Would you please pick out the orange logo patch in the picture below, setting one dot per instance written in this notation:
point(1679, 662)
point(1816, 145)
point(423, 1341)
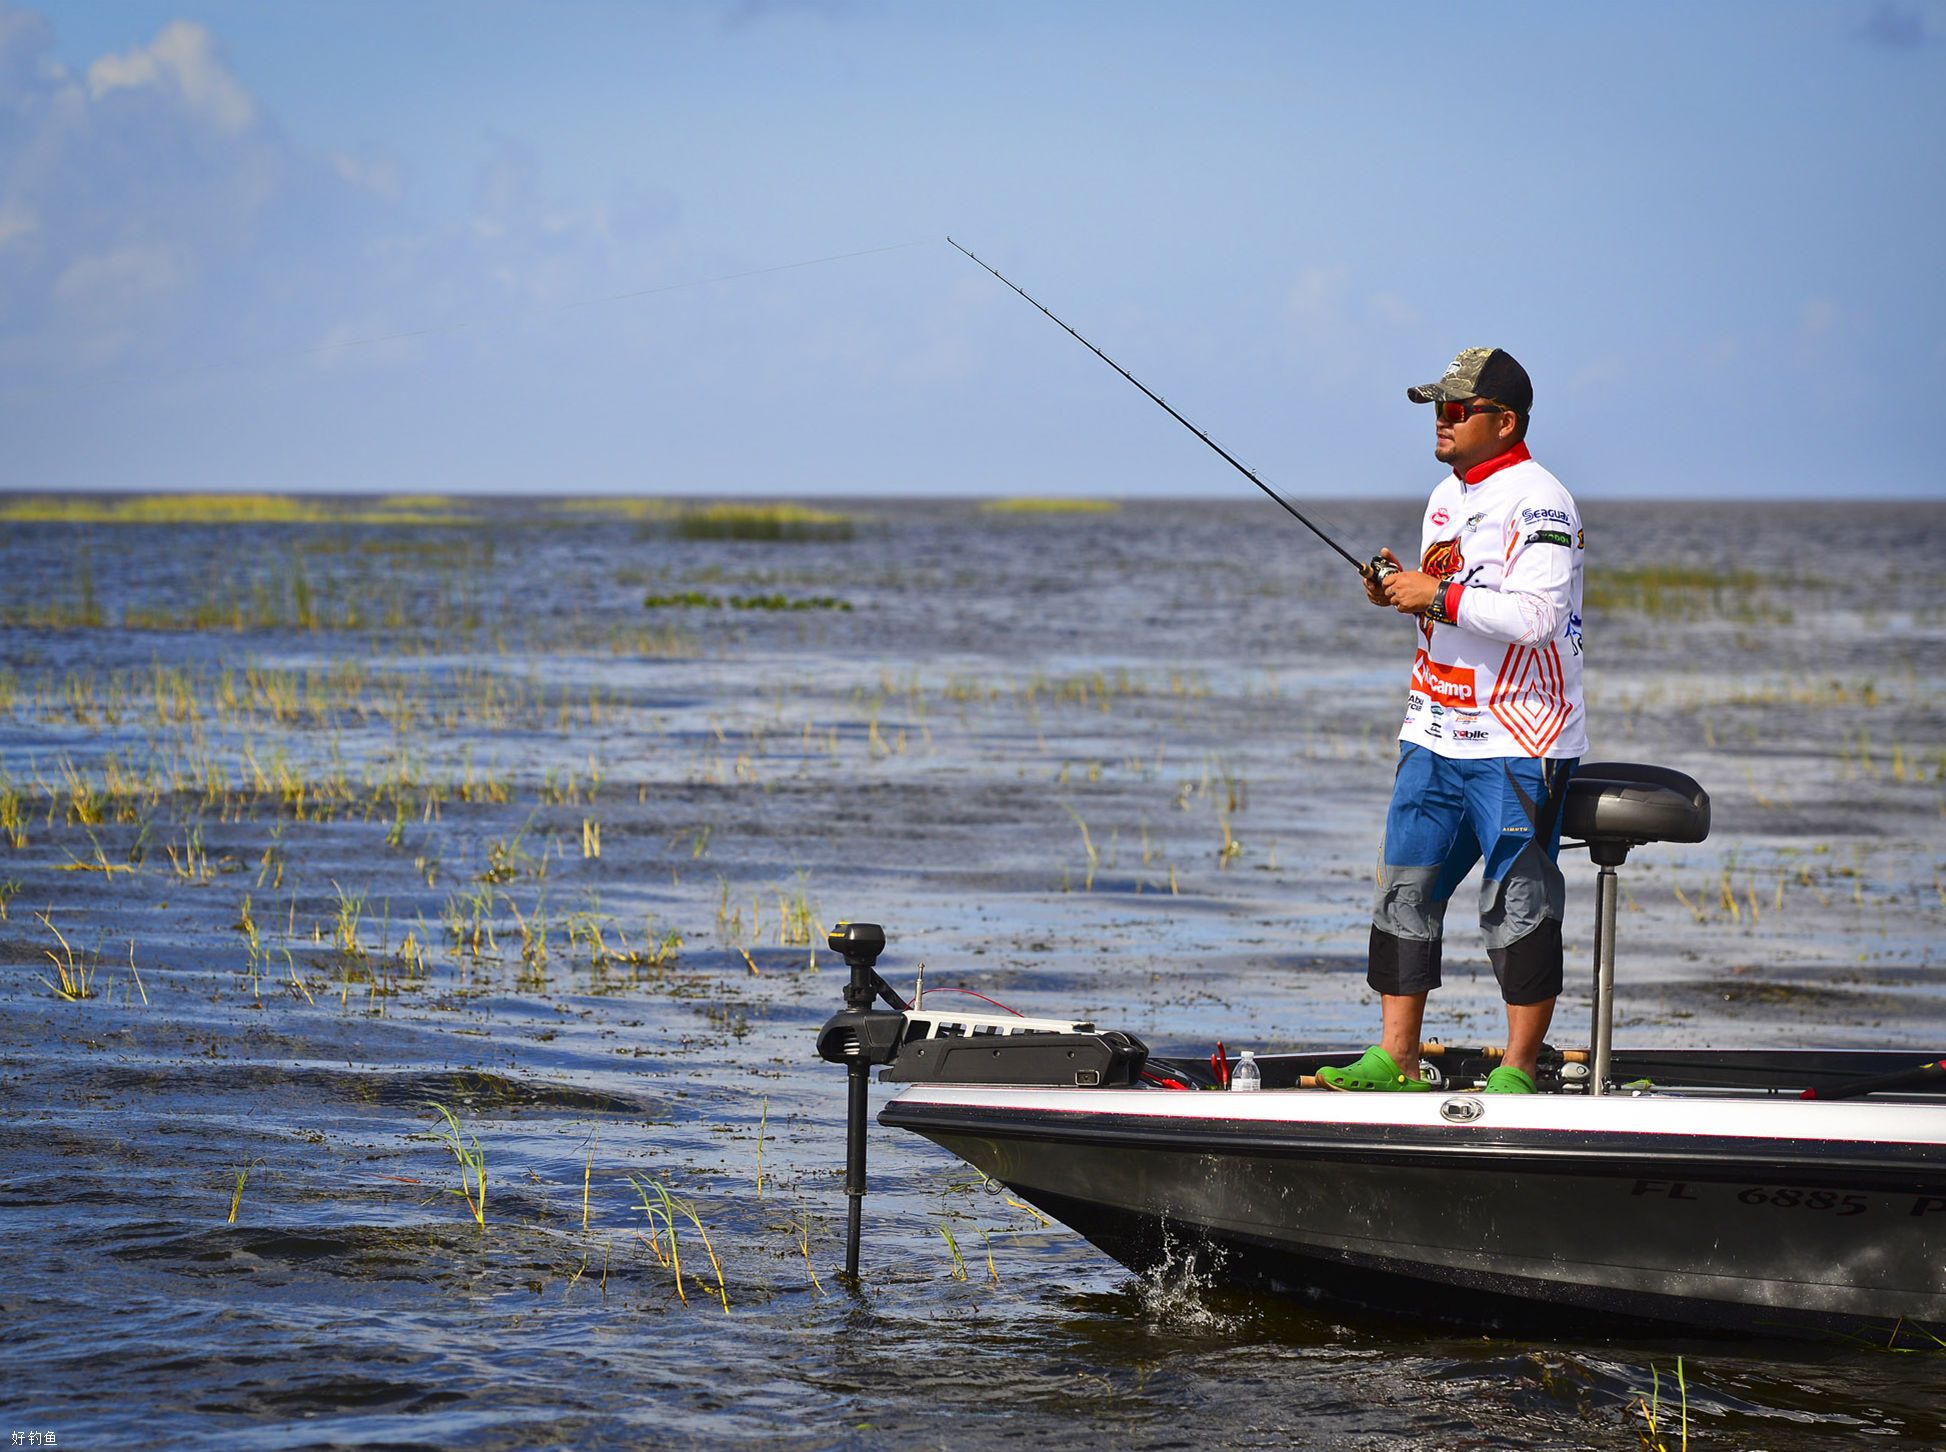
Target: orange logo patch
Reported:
point(1443, 559)
point(1450, 685)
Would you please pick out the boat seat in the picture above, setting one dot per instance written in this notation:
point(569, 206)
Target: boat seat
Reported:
point(1616, 805)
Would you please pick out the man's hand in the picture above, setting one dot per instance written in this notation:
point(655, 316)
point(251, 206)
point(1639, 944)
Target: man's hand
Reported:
point(1375, 588)
point(1410, 591)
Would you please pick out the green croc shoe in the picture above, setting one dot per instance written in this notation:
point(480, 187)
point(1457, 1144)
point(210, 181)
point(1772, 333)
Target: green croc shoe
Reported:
point(1508, 1080)
point(1376, 1071)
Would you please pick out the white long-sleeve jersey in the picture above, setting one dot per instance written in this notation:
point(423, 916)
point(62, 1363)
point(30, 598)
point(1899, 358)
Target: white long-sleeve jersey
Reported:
point(1498, 669)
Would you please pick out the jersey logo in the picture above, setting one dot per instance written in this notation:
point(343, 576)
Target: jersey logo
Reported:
point(1443, 559)
point(1447, 685)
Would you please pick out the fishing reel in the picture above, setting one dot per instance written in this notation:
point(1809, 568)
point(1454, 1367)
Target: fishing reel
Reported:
point(1377, 568)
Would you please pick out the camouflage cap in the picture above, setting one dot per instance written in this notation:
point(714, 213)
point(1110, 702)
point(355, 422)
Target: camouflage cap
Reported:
point(1481, 373)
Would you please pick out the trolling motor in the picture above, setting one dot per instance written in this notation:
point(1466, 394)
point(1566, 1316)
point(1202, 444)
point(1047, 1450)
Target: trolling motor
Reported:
point(858, 1038)
point(914, 1043)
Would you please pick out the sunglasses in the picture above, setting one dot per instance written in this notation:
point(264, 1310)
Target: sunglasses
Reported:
point(1458, 410)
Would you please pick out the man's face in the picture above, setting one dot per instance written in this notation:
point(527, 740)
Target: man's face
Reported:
point(1474, 439)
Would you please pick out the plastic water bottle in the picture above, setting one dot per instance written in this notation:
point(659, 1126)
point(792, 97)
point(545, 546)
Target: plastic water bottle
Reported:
point(1245, 1076)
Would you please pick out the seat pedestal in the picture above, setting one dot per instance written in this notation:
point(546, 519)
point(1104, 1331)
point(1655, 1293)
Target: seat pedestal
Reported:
point(1613, 807)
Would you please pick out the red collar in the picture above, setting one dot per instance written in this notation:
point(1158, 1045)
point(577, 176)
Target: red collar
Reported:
point(1480, 472)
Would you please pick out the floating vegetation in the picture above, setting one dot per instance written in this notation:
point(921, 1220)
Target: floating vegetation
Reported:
point(688, 520)
point(1050, 506)
point(1690, 592)
point(697, 600)
point(761, 522)
point(229, 509)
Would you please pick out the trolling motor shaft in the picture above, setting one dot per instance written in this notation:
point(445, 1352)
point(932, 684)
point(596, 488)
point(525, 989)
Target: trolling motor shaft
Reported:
point(858, 1038)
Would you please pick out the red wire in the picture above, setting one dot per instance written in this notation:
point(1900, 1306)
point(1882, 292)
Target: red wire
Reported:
point(983, 998)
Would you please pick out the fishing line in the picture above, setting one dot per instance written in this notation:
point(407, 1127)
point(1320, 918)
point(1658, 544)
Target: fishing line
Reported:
point(399, 337)
point(1375, 568)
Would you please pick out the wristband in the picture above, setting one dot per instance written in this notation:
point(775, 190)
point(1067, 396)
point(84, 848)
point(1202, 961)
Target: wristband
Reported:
point(1444, 608)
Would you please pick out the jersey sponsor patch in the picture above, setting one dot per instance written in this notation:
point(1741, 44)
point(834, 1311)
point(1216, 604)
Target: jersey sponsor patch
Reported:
point(1551, 536)
point(1452, 685)
point(1443, 559)
point(1545, 516)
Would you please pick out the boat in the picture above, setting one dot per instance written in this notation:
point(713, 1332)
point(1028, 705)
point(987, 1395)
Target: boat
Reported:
point(1791, 1192)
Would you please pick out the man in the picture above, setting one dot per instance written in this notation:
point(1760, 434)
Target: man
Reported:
point(1493, 724)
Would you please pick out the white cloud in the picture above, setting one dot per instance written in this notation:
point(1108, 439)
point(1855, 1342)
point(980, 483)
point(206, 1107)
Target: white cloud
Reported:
point(1389, 307)
point(182, 58)
point(17, 222)
point(1317, 298)
point(370, 170)
point(153, 215)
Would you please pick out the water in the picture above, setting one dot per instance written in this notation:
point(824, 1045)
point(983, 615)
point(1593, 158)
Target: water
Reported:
point(1128, 767)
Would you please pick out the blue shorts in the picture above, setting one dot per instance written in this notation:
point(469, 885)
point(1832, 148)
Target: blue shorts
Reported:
point(1448, 813)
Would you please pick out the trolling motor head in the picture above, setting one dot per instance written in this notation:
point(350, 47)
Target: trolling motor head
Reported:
point(862, 1033)
point(859, 944)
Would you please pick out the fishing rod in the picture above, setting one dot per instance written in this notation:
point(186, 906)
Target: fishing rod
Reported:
point(1376, 568)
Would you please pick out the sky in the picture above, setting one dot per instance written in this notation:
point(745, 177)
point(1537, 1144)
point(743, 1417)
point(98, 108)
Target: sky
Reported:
point(699, 248)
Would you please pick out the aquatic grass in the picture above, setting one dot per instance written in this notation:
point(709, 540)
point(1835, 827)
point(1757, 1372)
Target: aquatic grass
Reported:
point(952, 1249)
point(348, 915)
point(77, 978)
point(1230, 849)
point(773, 522)
point(1689, 592)
point(9, 890)
point(697, 600)
point(1087, 846)
point(587, 1177)
point(508, 859)
point(1651, 1411)
point(471, 1159)
point(800, 1227)
point(227, 509)
point(662, 1212)
point(13, 816)
point(763, 1123)
point(236, 1194)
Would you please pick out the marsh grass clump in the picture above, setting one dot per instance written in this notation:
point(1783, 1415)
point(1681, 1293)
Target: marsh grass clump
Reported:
point(228, 509)
point(780, 522)
point(1689, 592)
point(77, 978)
point(1042, 506)
point(697, 600)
